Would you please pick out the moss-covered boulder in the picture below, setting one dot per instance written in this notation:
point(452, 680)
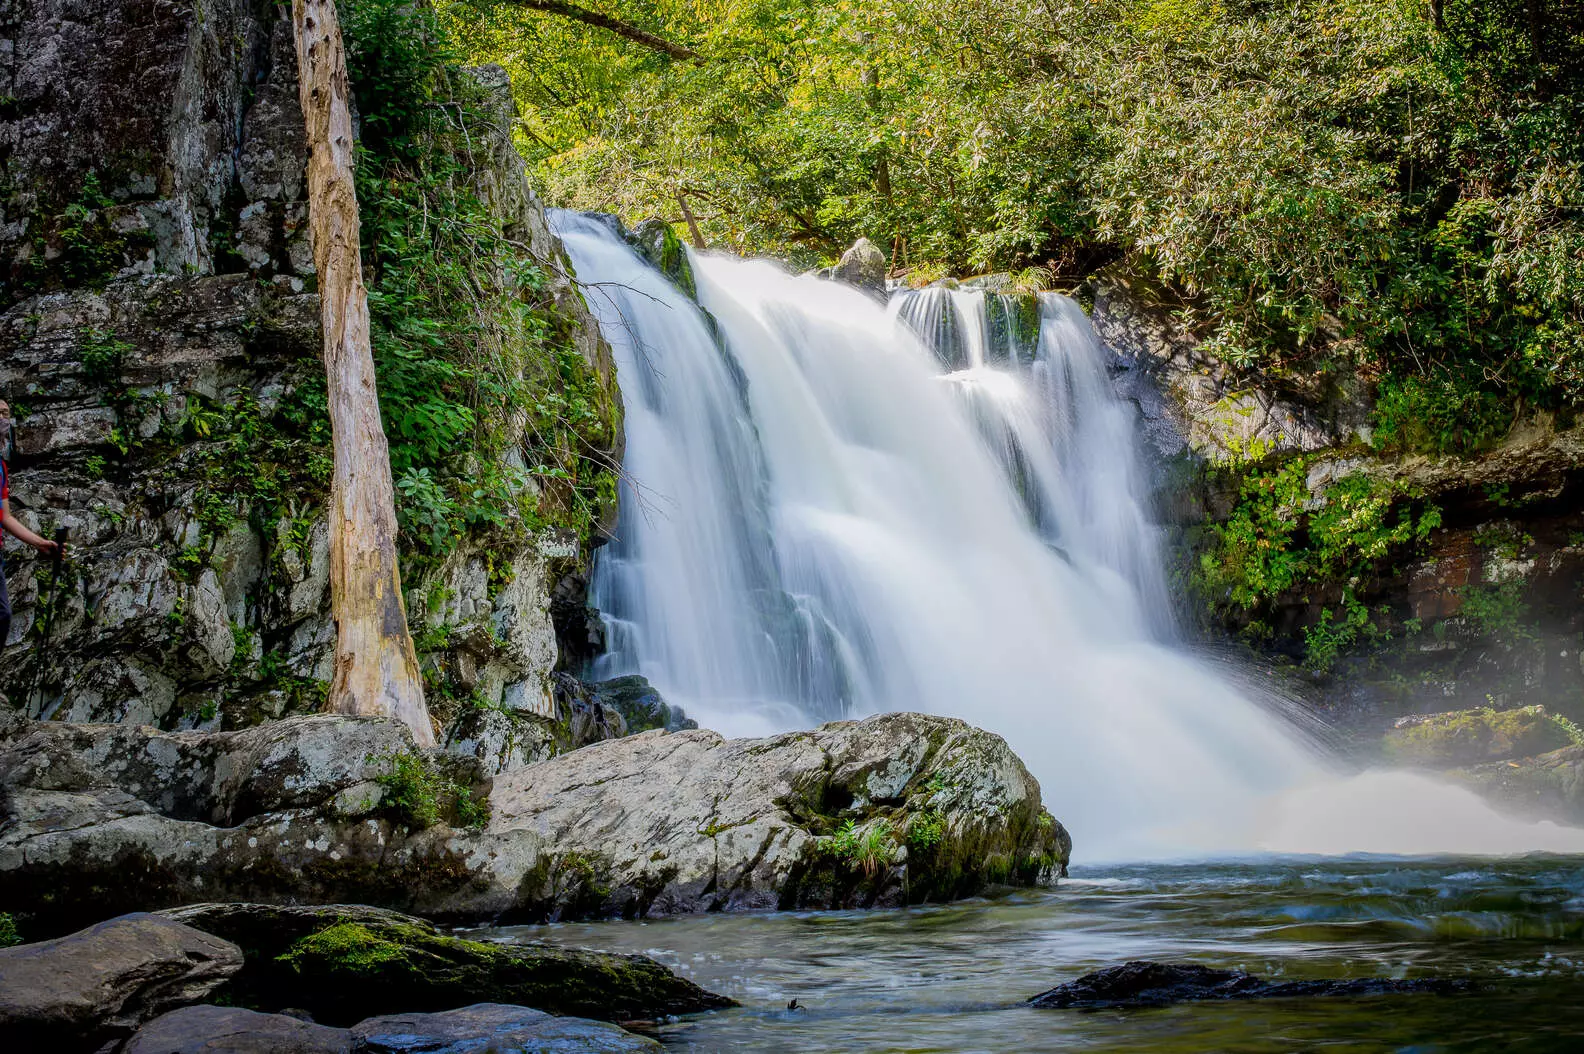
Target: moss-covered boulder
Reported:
point(1472, 737)
point(346, 962)
point(657, 242)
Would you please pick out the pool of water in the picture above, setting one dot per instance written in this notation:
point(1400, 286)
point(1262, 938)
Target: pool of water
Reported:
point(952, 978)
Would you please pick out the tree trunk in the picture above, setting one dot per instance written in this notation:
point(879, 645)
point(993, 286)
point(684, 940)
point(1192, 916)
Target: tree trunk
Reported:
point(376, 669)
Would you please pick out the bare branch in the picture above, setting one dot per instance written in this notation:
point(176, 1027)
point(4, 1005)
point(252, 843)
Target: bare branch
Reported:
point(606, 22)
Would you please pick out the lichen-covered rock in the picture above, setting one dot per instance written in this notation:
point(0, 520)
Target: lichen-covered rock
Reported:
point(1472, 737)
point(896, 808)
point(343, 963)
point(99, 984)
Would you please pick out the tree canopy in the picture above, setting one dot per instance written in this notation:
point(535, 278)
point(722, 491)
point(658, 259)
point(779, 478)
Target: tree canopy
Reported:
point(1392, 187)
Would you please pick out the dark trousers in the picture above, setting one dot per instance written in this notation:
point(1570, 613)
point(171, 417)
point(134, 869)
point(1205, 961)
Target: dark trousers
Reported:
point(5, 606)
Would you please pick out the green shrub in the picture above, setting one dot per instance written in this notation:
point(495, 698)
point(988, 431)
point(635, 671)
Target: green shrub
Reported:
point(417, 794)
point(8, 931)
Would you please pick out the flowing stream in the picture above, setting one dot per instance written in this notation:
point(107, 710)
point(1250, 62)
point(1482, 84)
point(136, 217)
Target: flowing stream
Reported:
point(835, 507)
point(949, 978)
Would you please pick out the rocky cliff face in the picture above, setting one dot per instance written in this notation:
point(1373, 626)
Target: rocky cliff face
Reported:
point(159, 344)
point(1388, 583)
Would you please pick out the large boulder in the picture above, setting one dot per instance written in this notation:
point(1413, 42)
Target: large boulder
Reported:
point(232, 1030)
point(896, 808)
point(99, 984)
point(345, 962)
point(491, 1026)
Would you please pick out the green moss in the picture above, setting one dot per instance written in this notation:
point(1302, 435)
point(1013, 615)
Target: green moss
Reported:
point(347, 947)
point(8, 931)
point(1471, 737)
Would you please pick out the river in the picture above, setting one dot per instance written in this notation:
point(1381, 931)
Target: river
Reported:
point(950, 978)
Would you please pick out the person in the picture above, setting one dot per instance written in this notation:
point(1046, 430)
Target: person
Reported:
point(9, 524)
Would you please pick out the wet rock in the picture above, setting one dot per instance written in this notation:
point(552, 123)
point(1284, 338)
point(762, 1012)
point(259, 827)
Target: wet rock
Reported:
point(492, 1026)
point(897, 808)
point(640, 705)
point(102, 982)
point(1471, 737)
point(345, 962)
point(1143, 983)
point(863, 265)
point(1548, 786)
point(232, 1030)
point(657, 242)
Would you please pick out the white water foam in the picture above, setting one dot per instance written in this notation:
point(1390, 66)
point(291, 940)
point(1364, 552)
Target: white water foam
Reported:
point(824, 518)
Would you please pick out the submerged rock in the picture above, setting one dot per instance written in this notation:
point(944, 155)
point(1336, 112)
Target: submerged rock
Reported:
point(1143, 983)
point(98, 985)
point(897, 808)
point(345, 962)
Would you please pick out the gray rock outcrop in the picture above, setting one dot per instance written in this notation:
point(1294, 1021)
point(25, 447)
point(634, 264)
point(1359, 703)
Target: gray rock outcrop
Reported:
point(161, 332)
point(1189, 399)
point(896, 808)
point(97, 985)
point(863, 265)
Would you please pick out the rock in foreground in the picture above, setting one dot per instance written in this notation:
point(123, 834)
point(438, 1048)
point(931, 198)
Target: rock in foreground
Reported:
point(346, 962)
point(99, 984)
point(473, 1029)
point(896, 808)
point(1142, 983)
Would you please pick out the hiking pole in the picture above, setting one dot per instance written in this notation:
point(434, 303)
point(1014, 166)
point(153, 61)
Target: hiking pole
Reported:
point(36, 688)
point(55, 570)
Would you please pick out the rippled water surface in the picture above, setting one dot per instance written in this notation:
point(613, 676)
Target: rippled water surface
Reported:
point(951, 978)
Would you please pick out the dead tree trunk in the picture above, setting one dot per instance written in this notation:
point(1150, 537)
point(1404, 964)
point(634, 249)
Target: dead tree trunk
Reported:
point(376, 669)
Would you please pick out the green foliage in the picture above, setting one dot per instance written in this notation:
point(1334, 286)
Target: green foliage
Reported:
point(416, 793)
point(868, 849)
point(1497, 610)
point(8, 931)
point(467, 343)
point(926, 829)
point(1323, 185)
point(1281, 537)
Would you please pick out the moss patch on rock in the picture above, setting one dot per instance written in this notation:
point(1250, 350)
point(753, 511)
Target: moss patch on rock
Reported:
point(343, 963)
point(1472, 737)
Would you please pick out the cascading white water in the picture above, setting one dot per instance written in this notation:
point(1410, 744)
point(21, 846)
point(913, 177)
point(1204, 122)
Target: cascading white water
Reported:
point(822, 518)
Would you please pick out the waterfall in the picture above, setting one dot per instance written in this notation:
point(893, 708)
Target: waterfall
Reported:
point(833, 507)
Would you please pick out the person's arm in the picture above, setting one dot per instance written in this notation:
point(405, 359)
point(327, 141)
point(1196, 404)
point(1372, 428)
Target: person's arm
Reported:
point(18, 529)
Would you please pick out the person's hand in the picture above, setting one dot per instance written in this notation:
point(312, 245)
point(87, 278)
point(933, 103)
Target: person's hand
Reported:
point(50, 548)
